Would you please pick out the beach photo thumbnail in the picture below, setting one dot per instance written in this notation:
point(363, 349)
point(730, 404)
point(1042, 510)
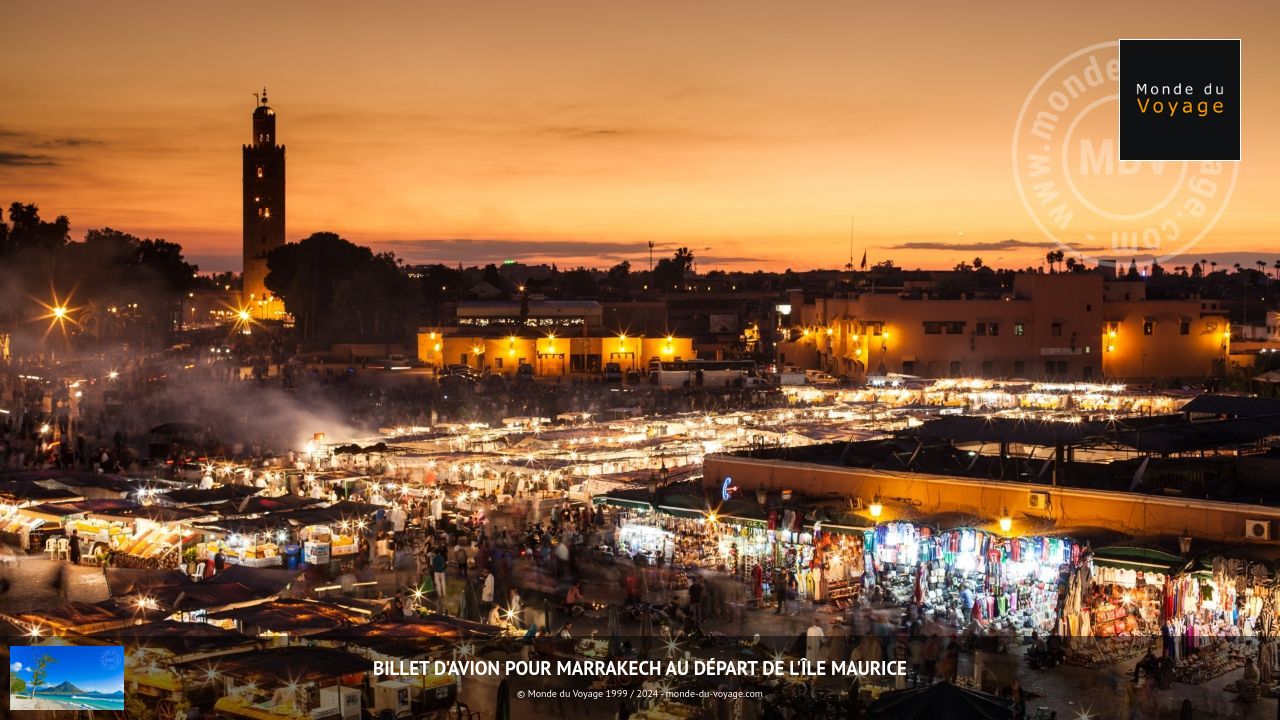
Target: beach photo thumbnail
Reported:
point(66, 677)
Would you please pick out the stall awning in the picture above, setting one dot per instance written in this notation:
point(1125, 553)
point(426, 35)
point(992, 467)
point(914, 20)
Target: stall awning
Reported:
point(1141, 559)
point(297, 617)
point(284, 665)
point(412, 637)
point(57, 511)
point(622, 502)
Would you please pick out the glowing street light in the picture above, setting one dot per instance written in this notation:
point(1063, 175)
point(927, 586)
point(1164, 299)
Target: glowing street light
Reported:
point(876, 507)
point(1006, 522)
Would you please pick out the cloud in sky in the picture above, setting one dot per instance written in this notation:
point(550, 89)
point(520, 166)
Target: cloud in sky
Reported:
point(976, 245)
point(24, 159)
point(16, 667)
point(495, 250)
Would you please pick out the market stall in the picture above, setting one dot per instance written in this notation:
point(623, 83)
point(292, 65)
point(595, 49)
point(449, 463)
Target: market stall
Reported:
point(157, 535)
point(970, 574)
point(20, 530)
point(294, 682)
point(433, 637)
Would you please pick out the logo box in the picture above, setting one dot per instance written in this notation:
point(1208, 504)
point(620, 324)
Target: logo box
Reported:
point(1180, 99)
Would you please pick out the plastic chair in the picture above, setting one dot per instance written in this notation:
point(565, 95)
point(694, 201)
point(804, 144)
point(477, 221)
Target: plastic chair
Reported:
point(199, 573)
point(64, 548)
point(51, 547)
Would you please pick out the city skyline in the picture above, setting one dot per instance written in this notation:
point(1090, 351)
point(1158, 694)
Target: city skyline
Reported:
point(577, 134)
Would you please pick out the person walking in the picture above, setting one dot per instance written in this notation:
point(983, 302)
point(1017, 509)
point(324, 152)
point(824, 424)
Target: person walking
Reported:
point(486, 591)
point(695, 598)
point(439, 564)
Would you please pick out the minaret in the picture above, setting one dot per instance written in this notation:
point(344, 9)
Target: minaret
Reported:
point(263, 210)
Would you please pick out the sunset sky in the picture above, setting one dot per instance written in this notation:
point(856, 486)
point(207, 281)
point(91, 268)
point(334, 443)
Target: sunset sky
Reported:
point(577, 132)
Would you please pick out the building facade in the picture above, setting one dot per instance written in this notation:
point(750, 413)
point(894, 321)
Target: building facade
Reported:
point(549, 355)
point(1068, 327)
point(555, 337)
point(264, 211)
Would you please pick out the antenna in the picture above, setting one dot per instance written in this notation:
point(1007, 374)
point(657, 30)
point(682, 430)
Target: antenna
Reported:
point(850, 265)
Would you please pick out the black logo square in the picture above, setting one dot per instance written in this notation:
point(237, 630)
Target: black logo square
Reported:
point(1180, 99)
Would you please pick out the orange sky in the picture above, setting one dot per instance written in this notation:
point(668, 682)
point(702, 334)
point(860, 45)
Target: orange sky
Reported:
point(579, 131)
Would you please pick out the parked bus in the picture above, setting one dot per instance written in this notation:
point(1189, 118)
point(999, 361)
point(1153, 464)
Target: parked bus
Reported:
point(705, 373)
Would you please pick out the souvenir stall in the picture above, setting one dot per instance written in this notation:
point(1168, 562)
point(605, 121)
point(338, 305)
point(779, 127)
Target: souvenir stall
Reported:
point(741, 539)
point(1014, 579)
point(1207, 610)
point(649, 535)
point(1112, 608)
point(1115, 595)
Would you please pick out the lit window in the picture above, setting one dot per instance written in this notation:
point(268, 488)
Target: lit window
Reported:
point(259, 171)
point(1148, 328)
point(1019, 329)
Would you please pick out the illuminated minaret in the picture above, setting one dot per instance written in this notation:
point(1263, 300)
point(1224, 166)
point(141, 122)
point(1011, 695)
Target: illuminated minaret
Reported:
point(263, 209)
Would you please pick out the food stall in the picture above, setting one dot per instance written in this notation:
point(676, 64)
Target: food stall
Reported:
point(325, 543)
point(97, 534)
point(158, 534)
point(291, 682)
point(153, 651)
point(24, 531)
point(250, 550)
point(433, 637)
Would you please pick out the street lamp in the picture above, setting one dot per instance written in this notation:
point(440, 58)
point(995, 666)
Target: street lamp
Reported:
point(1006, 522)
point(876, 507)
point(1184, 543)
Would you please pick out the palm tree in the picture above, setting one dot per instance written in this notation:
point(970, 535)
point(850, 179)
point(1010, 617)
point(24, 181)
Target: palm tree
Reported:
point(1262, 266)
point(1277, 267)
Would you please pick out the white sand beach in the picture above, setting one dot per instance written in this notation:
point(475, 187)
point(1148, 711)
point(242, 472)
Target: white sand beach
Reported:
point(23, 702)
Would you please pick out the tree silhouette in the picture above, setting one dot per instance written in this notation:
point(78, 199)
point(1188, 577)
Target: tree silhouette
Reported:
point(670, 272)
